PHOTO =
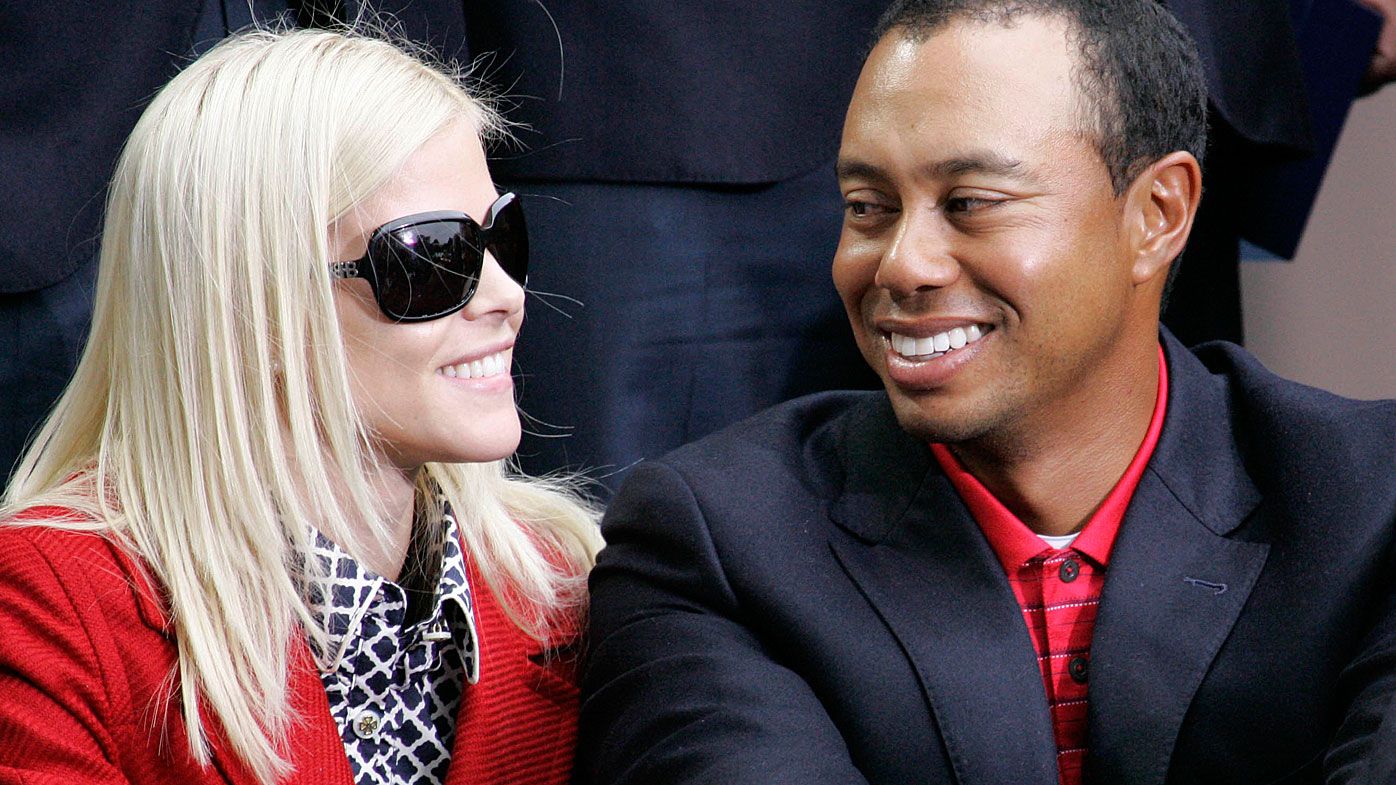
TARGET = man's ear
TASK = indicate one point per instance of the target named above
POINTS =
(1161, 204)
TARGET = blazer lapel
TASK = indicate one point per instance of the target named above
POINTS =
(315, 743)
(1176, 583)
(518, 724)
(315, 749)
(924, 566)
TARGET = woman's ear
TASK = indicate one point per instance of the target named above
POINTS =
(1161, 204)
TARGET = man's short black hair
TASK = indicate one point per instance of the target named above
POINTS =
(1137, 70)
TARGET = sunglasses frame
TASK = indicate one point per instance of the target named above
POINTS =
(484, 238)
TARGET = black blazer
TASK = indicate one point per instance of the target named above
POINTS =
(804, 598)
(722, 91)
(76, 78)
(1281, 75)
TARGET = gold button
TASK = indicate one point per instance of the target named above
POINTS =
(366, 725)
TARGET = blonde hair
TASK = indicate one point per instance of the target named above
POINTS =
(209, 424)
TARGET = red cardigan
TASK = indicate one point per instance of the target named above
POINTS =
(85, 658)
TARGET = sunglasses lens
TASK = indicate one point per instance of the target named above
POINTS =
(428, 265)
(508, 238)
(426, 269)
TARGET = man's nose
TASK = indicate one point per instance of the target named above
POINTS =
(919, 256)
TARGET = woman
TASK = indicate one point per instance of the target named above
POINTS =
(268, 534)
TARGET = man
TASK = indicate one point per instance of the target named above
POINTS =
(1059, 547)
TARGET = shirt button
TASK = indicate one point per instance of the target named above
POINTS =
(1079, 668)
(1069, 570)
(366, 725)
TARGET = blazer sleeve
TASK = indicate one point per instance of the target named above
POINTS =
(1361, 752)
(1382, 765)
(55, 726)
(677, 688)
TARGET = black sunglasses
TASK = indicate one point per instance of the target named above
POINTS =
(426, 266)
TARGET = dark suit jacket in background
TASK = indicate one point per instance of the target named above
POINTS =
(634, 91)
(1383, 765)
(76, 78)
(805, 598)
(678, 171)
(1281, 75)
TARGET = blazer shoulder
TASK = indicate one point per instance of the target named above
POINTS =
(36, 555)
(83, 580)
(78, 635)
(1262, 395)
(766, 482)
(1287, 429)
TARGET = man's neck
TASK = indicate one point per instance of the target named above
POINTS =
(1055, 467)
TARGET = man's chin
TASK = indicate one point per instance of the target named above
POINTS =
(936, 423)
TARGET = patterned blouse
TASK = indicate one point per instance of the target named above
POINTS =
(400, 656)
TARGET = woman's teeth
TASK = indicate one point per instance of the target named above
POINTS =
(938, 344)
(491, 365)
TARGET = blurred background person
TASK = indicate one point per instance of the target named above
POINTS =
(1281, 77)
(684, 154)
(76, 78)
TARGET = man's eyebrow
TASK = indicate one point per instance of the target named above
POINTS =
(853, 169)
(975, 162)
(979, 162)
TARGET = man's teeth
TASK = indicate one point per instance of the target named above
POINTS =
(492, 365)
(938, 344)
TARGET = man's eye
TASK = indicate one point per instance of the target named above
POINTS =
(968, 204)
(863, 209)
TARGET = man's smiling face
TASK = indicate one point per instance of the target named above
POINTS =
(984, 261)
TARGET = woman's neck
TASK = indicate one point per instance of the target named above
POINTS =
(396, 491)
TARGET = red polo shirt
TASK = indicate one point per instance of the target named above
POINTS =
(1059, 589)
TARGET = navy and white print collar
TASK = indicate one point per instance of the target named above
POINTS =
(347, 590)
(394, 684)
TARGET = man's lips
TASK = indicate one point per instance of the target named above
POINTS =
(931, 346)
(928, 360)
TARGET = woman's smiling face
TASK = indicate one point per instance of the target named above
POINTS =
(441, 390)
